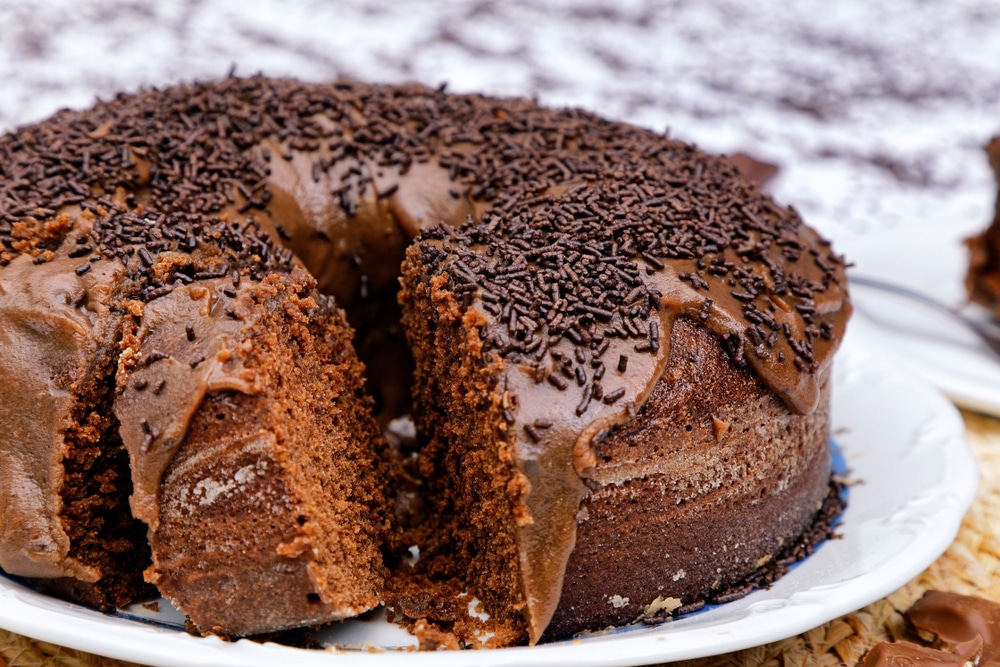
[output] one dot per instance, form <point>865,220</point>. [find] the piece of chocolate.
<point>963,630</point>
<point>965,625</point>
<point>905,654</point>
<point>754,170</point>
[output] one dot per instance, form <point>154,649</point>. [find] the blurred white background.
<point>876,112</point>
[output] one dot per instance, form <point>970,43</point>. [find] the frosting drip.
<point>186,345</point>
<point>53,320</point>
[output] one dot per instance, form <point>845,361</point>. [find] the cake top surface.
<point>188,151</point>
<point>559,193</point>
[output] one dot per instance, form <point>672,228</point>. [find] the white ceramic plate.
<point>904,446</point>
<point>933,261</point>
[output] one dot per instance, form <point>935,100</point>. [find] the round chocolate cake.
<point>619,353</point>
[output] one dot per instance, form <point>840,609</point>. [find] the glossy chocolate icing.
<point>201,346</point>
<point>52,320</point>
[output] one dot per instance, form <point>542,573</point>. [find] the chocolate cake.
<point>983,279</point>
<point>611,333</point>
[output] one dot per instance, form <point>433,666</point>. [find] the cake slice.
<point>254,455</point>
<point>182,408</point>
<point>64,476</point>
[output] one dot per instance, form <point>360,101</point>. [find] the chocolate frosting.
<point>53,320</point>
<point>186,346</point>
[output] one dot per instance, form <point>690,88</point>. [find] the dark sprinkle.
<point>614,396</point>
<point>596,391</point>
<point>282,232</point>
<point>81,251</point>
<point>689,608</point>
<point>731,595</point>
<point>157,292</point>
<point>189,332</point>
<point>82,269</point>
<point>153,357</point>
<point>622,363</point>
<point>557,382</point>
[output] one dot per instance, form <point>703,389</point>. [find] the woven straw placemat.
<point>970,566</point>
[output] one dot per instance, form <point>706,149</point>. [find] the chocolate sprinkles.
<point>560,267</point>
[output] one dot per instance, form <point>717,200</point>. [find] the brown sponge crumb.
<point>274,507</point>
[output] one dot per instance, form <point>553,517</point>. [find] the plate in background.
<point>933,261</point>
